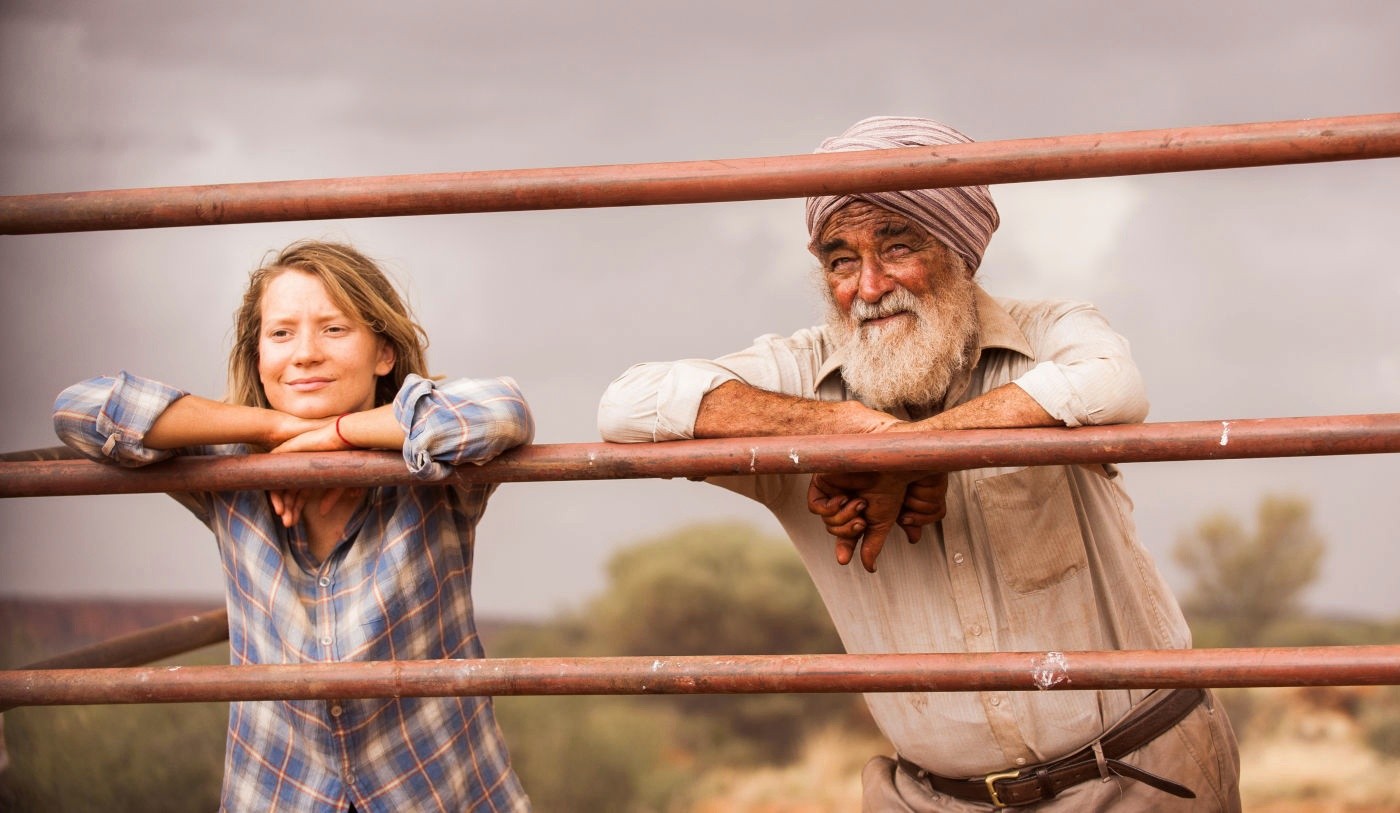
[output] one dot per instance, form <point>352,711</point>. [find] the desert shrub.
<point>1246,581</point>
<point>706,589</point>
<point>594,753</point>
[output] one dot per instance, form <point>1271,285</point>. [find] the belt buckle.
<point>991,780</point>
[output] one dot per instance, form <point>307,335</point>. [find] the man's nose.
<point>875,281</point>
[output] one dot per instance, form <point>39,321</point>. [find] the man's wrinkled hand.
<point>925,502</point>
<point>860,508</point>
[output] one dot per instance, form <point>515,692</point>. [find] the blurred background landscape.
<point>714,589</point>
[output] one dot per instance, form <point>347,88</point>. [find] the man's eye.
<point>899,248</point>
<point>840,263</point>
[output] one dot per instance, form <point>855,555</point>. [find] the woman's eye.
<point>279,334</point>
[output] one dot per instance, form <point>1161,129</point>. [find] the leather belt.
<point>1100,759</point>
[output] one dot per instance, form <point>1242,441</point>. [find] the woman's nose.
<point>308,349</point>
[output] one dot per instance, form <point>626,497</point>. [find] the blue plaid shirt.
<point>397,587</point>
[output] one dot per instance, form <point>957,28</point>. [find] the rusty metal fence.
<point>109,672</point>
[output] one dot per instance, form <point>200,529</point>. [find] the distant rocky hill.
<point>31,629</point>
<point>40,628</point>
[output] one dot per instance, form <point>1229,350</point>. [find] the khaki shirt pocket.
<point>1032,527</point>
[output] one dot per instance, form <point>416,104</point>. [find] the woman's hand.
<point>292,434</point>
<point>318,435</point>
<point>289,503</point>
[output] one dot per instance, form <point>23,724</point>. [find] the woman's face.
<point>315,361</point>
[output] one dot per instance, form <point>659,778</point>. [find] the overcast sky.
<point>1246,293</point>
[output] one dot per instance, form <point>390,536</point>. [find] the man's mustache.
<point>897,301</point>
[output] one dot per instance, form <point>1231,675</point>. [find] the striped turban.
<point>961,217</point>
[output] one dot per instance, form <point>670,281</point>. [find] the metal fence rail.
<point>914,451</point>
<point>731,674</point>
<point>166,640</point>
<point>71,680</point>
<point>984,162</point>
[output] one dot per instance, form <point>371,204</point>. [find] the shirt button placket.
<point>325,622</point>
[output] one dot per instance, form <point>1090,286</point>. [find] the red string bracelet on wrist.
<point>342,437</point>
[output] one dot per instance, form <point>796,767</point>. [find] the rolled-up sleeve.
<point>106,418</point>
<point>658,401</point>
<point>463,421</point>
<point>1086,375</point>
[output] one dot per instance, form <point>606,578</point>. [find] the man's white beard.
<point>912,361</point>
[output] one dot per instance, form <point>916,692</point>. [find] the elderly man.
<point>1015,559</point>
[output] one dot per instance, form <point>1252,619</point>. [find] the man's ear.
<point>386,360</point>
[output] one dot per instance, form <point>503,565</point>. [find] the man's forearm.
<point>735,410</point>
<point>1005,407</point>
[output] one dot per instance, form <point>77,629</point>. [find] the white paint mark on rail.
<point>1050,670</point>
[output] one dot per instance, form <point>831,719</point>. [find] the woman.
<point>327,357</point>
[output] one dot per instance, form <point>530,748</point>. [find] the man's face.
<point>866,252</point>
<point>901,302</point>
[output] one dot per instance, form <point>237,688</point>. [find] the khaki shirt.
<point>1037,559</point>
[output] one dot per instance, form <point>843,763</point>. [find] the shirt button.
<point>1020,760</point>
<point>996,701</point>
<point>326,641</point>
<point>349,779</point>
<point>325,581</point>
<point>958,558</point>
<point>976,629</point>
<point>336,711</point>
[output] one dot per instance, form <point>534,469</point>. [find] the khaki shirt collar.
<point>996,329</point>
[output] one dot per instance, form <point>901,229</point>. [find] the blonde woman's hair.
<point>358,287</point>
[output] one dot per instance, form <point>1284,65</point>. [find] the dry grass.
<point>1304,750</point>
<point>825,779</point>
<point>1301,750</point>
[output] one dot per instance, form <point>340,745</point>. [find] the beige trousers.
<point>1200,752</point>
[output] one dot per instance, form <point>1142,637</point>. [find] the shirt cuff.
<point>1048,386</point>
<point>678,401</point>
<point>128,414</point>
<point>416,451</point>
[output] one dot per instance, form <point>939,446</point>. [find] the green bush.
<point>594,753</point>
<point>721,589</point>
<point>706,589</point>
